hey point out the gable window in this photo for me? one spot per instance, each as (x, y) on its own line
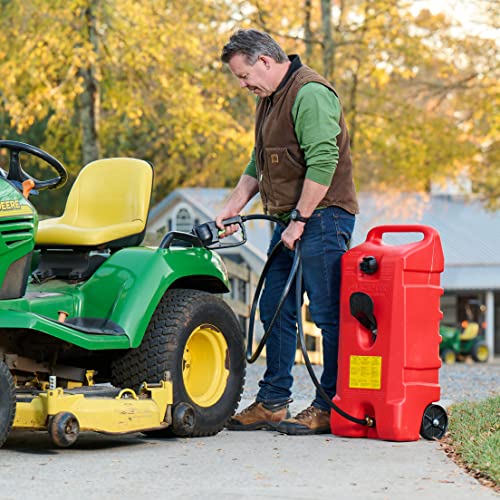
(183, 220)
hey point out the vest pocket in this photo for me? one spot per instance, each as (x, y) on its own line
(285, 176)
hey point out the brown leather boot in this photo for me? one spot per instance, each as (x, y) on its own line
(259, 416)
(312, 420)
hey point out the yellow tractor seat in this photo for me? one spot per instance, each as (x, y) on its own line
(107, 206)
(470, 331)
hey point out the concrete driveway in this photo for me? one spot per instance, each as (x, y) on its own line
(232, 465)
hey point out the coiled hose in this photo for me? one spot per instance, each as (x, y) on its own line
(295, 273)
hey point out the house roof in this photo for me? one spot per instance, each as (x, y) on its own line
(207, 200)
(470, 235)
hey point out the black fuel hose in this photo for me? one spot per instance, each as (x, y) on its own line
(295, 273)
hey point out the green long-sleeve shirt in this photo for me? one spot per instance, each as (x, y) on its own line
(316, 115)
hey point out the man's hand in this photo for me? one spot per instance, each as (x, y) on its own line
(292, 233)
(227, 230)
(312, 194)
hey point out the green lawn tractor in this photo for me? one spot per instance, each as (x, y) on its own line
(98, 333)
(460, 343)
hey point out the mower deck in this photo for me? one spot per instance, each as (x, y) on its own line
(64, 413)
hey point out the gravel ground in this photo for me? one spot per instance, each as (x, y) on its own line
(459, 382)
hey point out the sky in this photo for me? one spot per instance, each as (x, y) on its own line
(466, 13)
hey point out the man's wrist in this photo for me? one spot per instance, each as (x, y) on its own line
(296, 216)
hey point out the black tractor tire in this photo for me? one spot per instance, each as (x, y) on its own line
(179, 315)
(480, 351)
(7, 402)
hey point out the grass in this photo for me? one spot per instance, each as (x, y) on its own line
(474, 438)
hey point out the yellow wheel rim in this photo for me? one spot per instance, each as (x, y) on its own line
(450, 358)
(482, 353)
(204, 369)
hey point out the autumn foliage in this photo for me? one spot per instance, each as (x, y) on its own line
(98, 78)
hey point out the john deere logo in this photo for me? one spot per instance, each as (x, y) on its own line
(13, 208)
(9, 205)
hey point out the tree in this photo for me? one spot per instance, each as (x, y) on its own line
(122, 78)
(410, 84)
(89, 98)
(88, 78)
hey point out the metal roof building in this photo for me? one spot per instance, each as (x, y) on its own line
(470, 235)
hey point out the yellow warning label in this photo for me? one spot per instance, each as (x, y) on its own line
(365, 372)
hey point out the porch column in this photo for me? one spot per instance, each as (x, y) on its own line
(490, 322)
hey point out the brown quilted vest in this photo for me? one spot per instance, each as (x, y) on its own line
(280, 162)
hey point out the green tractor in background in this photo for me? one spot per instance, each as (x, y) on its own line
(81, 303)
(467, 340)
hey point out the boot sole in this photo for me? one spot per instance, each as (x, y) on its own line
(256, 426)
(294, 430)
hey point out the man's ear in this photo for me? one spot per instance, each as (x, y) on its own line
(266, 60)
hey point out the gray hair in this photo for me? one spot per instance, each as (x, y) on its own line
(252, 44)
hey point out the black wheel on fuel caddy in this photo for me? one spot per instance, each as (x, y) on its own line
(196, 338)
(434, 422)
(7, 402)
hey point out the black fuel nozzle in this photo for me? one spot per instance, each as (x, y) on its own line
(361, 306)
(209, 233)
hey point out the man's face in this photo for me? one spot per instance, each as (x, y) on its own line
(257, 78)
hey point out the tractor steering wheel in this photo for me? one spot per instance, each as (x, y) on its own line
(16, 173)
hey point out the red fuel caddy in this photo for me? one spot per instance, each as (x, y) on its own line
(389, 336)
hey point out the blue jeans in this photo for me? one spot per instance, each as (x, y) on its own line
(325, 239)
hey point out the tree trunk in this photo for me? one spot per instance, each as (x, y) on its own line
(89, 100)
(328, 46)
(307, 31)
(353, 124)
(354, 88)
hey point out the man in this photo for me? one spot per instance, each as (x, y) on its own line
(301, 165)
